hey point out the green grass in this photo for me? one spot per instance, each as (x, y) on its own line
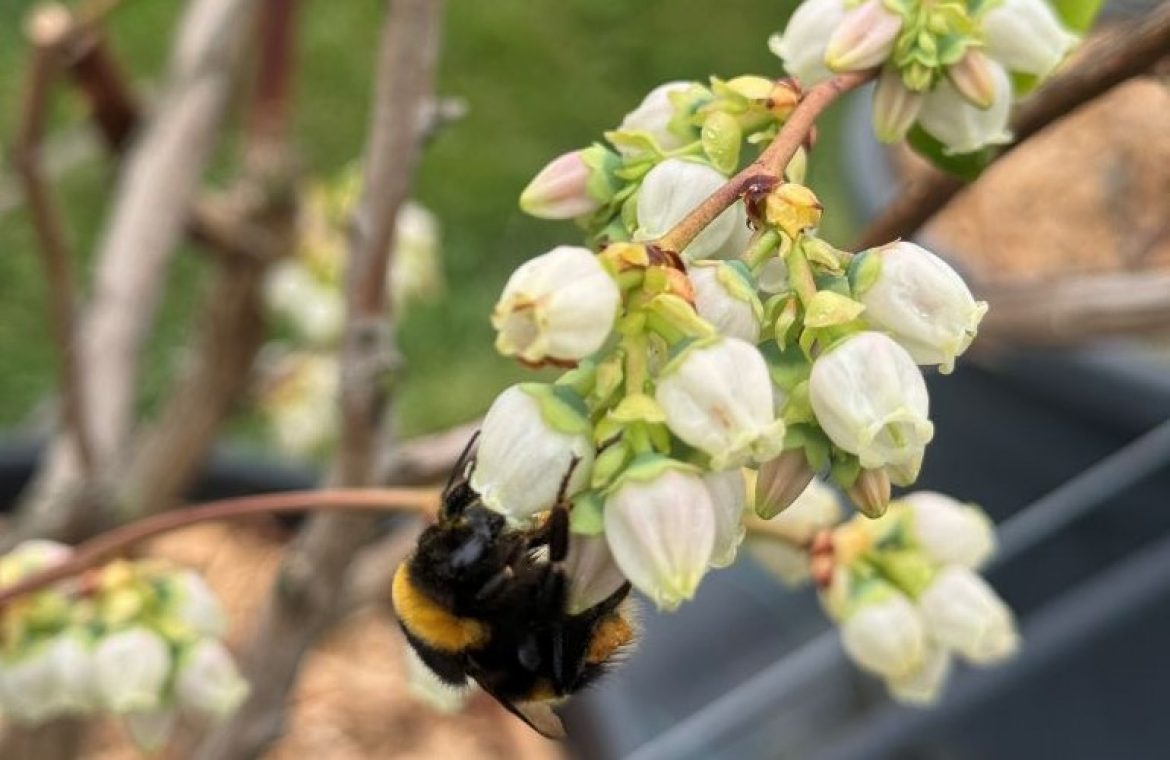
(540, 76)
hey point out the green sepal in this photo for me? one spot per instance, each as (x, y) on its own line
(581, 378)
(787, 367)
(638, 407)
(1023, 84)
(907, 569)
(635, 140)
(830, 309)
(611, 461)
(608, 378)
(560, 407)
(864, 271)
(673, 318)
(635, 171)
(797, 407)
(838, 284)
(966, 166)
(647, 467)
(603, 163)
(816, 445)
(844, 469)
(823, 255)
(722, 138)
(587, 517)
(786, 322)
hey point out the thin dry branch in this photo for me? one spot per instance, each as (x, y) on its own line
(1117, 55)
(305, 601)
(149, 212)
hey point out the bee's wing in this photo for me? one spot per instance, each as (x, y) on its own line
(538, 715)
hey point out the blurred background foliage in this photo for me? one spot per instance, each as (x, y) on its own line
(540, 77)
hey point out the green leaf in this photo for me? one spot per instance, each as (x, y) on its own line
(1077, 15)
(966, 166)
(722, 138)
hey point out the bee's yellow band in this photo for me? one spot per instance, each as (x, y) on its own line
(434, 625)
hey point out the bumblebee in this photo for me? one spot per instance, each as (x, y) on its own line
(479, 600)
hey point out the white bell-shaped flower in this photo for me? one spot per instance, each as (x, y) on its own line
(301, 402)
(726, 299)
(729, 496)
(29, 685)
(717, 396)
(1026, 36)
(592, 573)
(802, 44)
(559, 306)
(653, 115)
(416, 267)
(886, 636)
(132, 668)
(208, 680)
(195, 605)
(923, 304)
(871, 400)
(660, 525)
(76, 675)
(560, 190)
(965, 128)
(670, 191)
(864, 38)
(965, 614)
(922, 685)
(951, 533)
(529, 442)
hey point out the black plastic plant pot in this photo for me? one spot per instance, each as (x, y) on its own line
(1069, 452)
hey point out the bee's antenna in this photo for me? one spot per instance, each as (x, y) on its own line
(460, 468)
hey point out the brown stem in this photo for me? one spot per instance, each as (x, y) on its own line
(49, 30)
(272, 97)
(1121, 53)
(770, 164)
(108, 545)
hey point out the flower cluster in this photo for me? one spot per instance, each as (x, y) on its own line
(138, 640)
(907, 595)
(951, 67)
(305, 292)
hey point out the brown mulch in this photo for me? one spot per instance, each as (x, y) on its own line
(1089, 194)
(351, 701)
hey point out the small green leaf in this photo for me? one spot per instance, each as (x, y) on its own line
(829, 309)
(722, 138)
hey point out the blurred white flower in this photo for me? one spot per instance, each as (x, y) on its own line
(300, 402)
(886, 636)
(966, 615)
(871, 400)
(315, 309)
(718, 398)
(670, 191)
(560, 305)
(195, 605)
(150, 730)
(416, 272)
(922, 685)
(208, 680)
(132, 667)
(661, 531)
(1026, 36)
(778, 543)
(949, 532)
(527, 445)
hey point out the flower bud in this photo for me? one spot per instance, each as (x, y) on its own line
(965, 614)
(870, 493)
(895, 106)
(923, 304)
(726, 298)
(132, 668)
(591, 571)
(1026, 36)
(871, 400)
(670, 191)
(528, 443)
(654, 114)
(864, 38)
(886, 636)
(922, 685)
(728, 495)
(802, 44)
(717, 396)
(782, 481)
(195, 605)
(792, 208)
(560, 190)
(962, 127)
(660, 524)
(974, 78)
(208, 680)
(559, 306)
(949, 532)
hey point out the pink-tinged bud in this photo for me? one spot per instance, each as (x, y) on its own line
(895, 106)
(870, 493)
(864, 38)
(560, 191)
(780, 482)
(974, 77)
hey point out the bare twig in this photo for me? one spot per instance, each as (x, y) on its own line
(118, 541)
(305, 601)
(49, 28)
(149, 212)
(1118, 54)
(770, 164)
